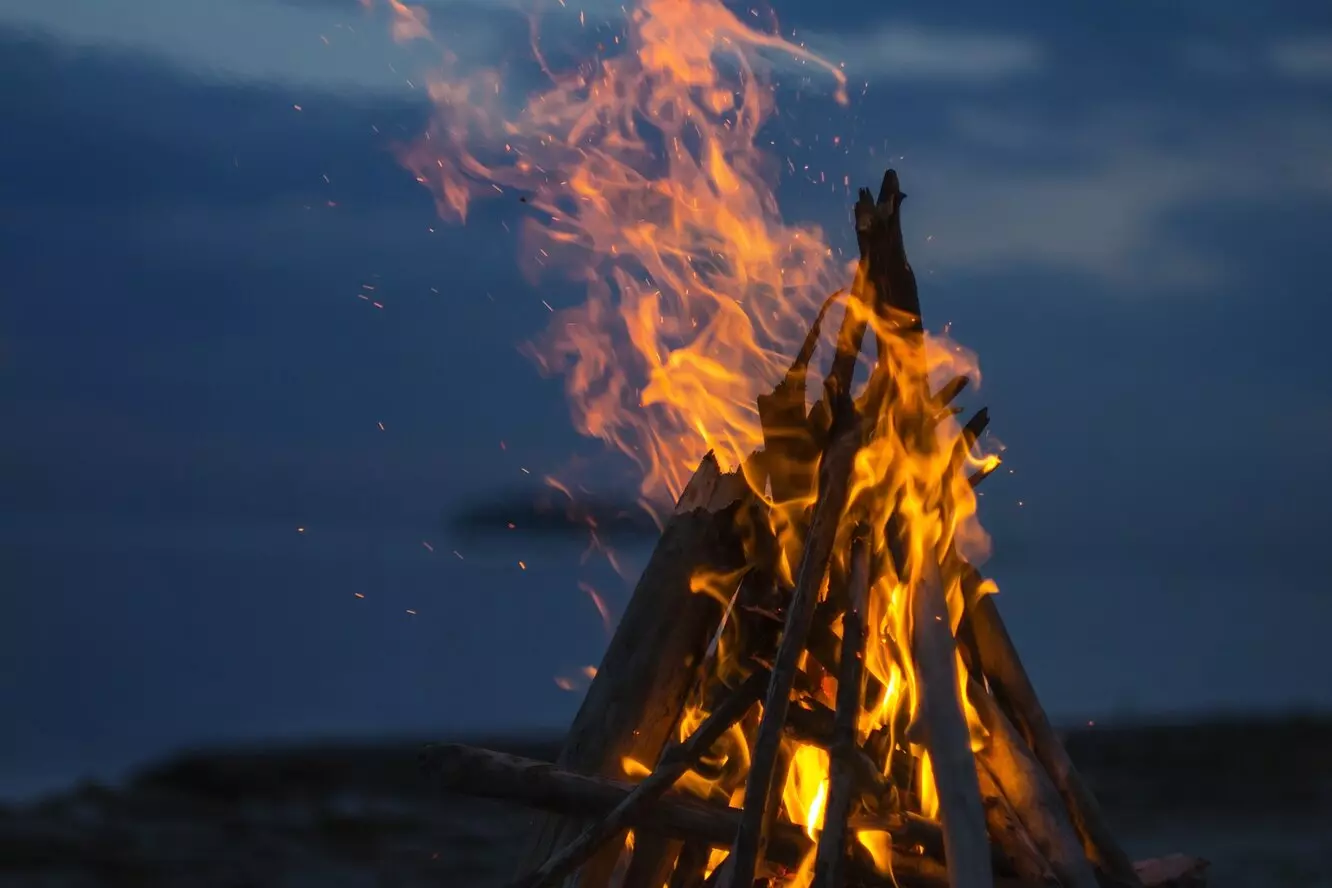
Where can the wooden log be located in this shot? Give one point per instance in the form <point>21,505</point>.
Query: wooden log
<point>1008,837</point>
<point>830,862</point>
<point>835,474</point>
<point>947,737</point>
<point>950,390</point>
<point>485,773</point>
<point>672,767</point>
<point>651,663</point>
<point>1014,691</point>
<point>691,866</point>
<point>1030,792</point>
<point>790,453</point>
<point>653,855</point>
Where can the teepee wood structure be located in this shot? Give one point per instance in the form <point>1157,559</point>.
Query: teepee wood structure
<point>969,787</point>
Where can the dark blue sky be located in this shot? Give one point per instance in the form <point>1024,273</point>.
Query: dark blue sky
<point>1124,211</point>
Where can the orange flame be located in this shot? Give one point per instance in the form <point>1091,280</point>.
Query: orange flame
<point>647,184</point>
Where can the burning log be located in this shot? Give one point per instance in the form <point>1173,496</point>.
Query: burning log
<point>673,766</point>
<point>496,775</point>
<point>829,866</point>
<point>751,839</point>
<point>948,738</point>
<point>1014,691</point>
<point>651,663</point>
<point>1030,792</point>
<point>1009,838</point>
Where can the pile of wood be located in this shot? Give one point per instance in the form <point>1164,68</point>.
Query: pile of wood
<point>1012,812</point>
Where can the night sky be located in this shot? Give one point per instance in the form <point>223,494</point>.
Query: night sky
<point>1125,211</point>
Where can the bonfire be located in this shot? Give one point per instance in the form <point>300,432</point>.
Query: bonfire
<point>811,683</point>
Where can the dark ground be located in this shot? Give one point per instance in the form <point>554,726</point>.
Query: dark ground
<point>1254,797</point>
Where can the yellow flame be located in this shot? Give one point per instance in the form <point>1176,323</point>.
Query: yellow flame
<point>646,181</point>
<point>806,789</point>
<point>879,844</point>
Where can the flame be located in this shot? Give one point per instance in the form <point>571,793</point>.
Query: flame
<point>806,789</point>
<point>645,181</point>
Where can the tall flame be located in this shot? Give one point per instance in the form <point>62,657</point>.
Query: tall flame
<point>647,184</point>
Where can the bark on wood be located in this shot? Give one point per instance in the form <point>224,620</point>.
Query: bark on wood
<point>673,766</point>
<point>650,865</point>
<point>485,773</point>
<point>1013,689</point>
<point>789,452</point>
<point>1008,837</point>
<point>691,866</point>
<point>947,737</point>
<point>650,665</point>
<point>830,863</point>
<point>834,485</point>
<point>1029,790</point>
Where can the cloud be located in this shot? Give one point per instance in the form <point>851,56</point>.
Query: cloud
<point>1108,194</point>
<point>326,46</point>
<point>1303,58</point>
<point>908,52</point>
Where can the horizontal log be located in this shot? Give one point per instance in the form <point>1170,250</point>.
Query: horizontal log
<point>485,773</point>
<point>672,767</point>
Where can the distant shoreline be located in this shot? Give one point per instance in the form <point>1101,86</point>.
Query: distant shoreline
<point>1163,737</point>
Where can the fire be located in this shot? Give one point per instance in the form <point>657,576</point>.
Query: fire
<point>645,180</point>
<point>646,183</point>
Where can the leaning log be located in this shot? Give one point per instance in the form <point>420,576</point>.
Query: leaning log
<point>834,486</point>
<point>654,786</point>
<point>1008,837</point>
<point>947,737</point>
<point>1030,792</point>
<point>830,862</point>
<point>651,663</point>
<point>1013,689</point>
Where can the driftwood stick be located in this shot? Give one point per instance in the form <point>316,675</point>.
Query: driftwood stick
<point>950,390</point>
<point>1013,688</point>
<point>830,863</point>
<point>650,666</point>
<point>789,452</point>
<point>1028,789</point>
<point>651,860</point>
<point>691,866</point>
<point>947,736</point>
<point>1009,838</point>
<point>485,773</point>
<point>834,486</point>
<point>673,765</point>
